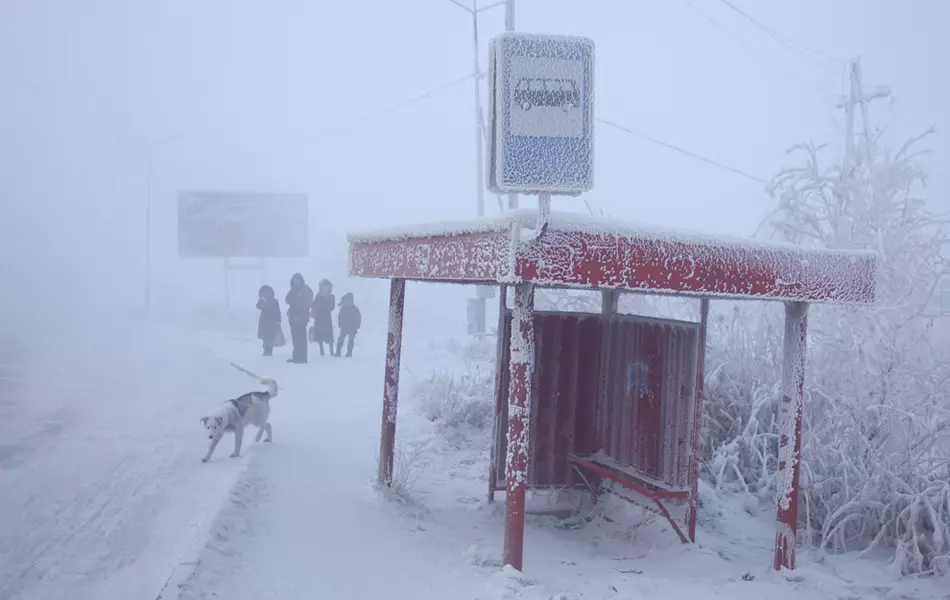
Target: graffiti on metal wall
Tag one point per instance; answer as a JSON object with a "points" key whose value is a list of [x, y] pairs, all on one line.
{"points": [[638, 377]]}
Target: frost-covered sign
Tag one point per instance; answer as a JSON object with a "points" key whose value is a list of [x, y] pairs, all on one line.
{"points": [[541, 112]]}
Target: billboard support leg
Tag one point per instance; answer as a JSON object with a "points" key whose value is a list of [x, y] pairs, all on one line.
{"points": [[227, 283]]}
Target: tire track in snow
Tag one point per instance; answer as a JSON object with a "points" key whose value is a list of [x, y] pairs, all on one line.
{"points": [[97, 499]]}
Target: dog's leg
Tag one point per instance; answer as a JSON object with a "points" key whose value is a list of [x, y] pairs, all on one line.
{"points": [[269, 432], [238, 439], [214, 444], [260, 433]]}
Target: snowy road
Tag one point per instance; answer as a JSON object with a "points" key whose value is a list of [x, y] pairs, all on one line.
{"points": [[306, 523], [101, 487]]}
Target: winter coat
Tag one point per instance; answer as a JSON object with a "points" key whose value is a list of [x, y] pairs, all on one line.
{"points": [[298, 302], [349, 317], [268, 324], [320, 310]]}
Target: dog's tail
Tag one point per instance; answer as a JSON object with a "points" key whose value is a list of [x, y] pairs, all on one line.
{"points": [[271, 386]]}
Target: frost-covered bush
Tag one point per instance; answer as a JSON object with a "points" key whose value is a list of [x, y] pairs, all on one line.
{"points": [[875, 451], [408, 467], [458, 399], [459, 395]]}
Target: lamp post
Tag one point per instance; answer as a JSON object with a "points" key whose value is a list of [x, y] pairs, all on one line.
{"points": [[477, 320], [474, 10], [151, 148]]}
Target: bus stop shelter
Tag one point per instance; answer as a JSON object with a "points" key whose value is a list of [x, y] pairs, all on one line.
{"points": [[588, 398]]}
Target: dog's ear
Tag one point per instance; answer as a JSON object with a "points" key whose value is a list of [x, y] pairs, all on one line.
{"points": [[204, 420], [219, 420]]}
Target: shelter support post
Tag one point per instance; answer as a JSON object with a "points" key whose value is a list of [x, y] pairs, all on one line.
{"points": [[500, 342], [521, 366], [695, 457], [790, 433], [609, 302], [387, 442]]}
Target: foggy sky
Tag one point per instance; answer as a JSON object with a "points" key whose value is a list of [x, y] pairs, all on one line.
{"points": [[85, 83]]}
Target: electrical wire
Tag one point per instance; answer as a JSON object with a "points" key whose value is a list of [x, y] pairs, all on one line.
{"points": [[684, 151], [391, 109], [798, 48], [330, 131], [756, 52]]}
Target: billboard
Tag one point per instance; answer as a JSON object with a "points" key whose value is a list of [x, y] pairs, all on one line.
{"points": [[243, 225]]}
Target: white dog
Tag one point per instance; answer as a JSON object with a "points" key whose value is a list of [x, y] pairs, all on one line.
{"points": [[252, 408]]}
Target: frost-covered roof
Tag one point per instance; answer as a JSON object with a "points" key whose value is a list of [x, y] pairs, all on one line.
{"points": [[581, 223], [586, 252]]}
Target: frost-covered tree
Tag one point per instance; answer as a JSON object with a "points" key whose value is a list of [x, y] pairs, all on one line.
{"points": [[875, 451]]}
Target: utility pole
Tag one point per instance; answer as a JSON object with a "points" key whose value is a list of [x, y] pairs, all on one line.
{"points": [[480, 131], [858, 97], [479, 120], [510, 26], [476, 305], [151, 148]]}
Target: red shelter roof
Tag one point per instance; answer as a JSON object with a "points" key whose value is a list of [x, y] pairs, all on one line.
{"points": [[582, 252]]}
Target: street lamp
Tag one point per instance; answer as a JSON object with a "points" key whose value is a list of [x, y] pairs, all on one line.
{"points": [[476, 306], [151, 148], [474, 10]]}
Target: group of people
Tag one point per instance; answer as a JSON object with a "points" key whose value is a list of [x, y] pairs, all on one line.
{"points": [[302, 306]]}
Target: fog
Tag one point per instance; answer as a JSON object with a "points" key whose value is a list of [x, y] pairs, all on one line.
{"points": [[283, 99], [365, 107]]}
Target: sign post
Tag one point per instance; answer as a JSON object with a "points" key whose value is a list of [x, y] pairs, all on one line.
{"points": [[540, 142]]}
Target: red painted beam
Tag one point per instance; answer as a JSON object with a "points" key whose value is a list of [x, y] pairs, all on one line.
{"points": [[471, 257], [710, 269]]}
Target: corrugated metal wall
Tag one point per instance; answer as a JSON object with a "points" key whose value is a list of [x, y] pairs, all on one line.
{"points": [[645, 414], [623, 384]]}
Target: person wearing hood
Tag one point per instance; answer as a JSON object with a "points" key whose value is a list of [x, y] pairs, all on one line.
{"points": [[349, 319], [298, 302], [321, 310], [268, 324]]}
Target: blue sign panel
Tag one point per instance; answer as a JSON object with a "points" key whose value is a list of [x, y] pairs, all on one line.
{"points": [[542, 113]]}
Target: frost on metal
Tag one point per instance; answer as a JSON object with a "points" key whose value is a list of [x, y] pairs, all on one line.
{"points": [[785, 536], [393, 344], [791, 406], [519, 396], [470, 256], [578, 250], [541, 113]]}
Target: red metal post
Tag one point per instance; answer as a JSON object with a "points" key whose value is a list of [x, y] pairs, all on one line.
{"points": [[695, 443], [790, 434], [387, 442], [500, 342], [519, 417]]}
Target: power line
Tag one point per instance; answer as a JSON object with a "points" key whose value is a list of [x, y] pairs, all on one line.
{"points": [[360, 121], [688, 153], [386, 111], [798, 48], [755, 51]]}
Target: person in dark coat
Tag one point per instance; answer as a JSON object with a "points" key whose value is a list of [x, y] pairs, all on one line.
{"points": [[321, 310], [268, 324], [349, 319], [298, 302]]}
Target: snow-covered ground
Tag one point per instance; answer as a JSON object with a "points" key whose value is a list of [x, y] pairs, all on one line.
{"points": [[305, 521], [101, 487], [103, 496]]}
